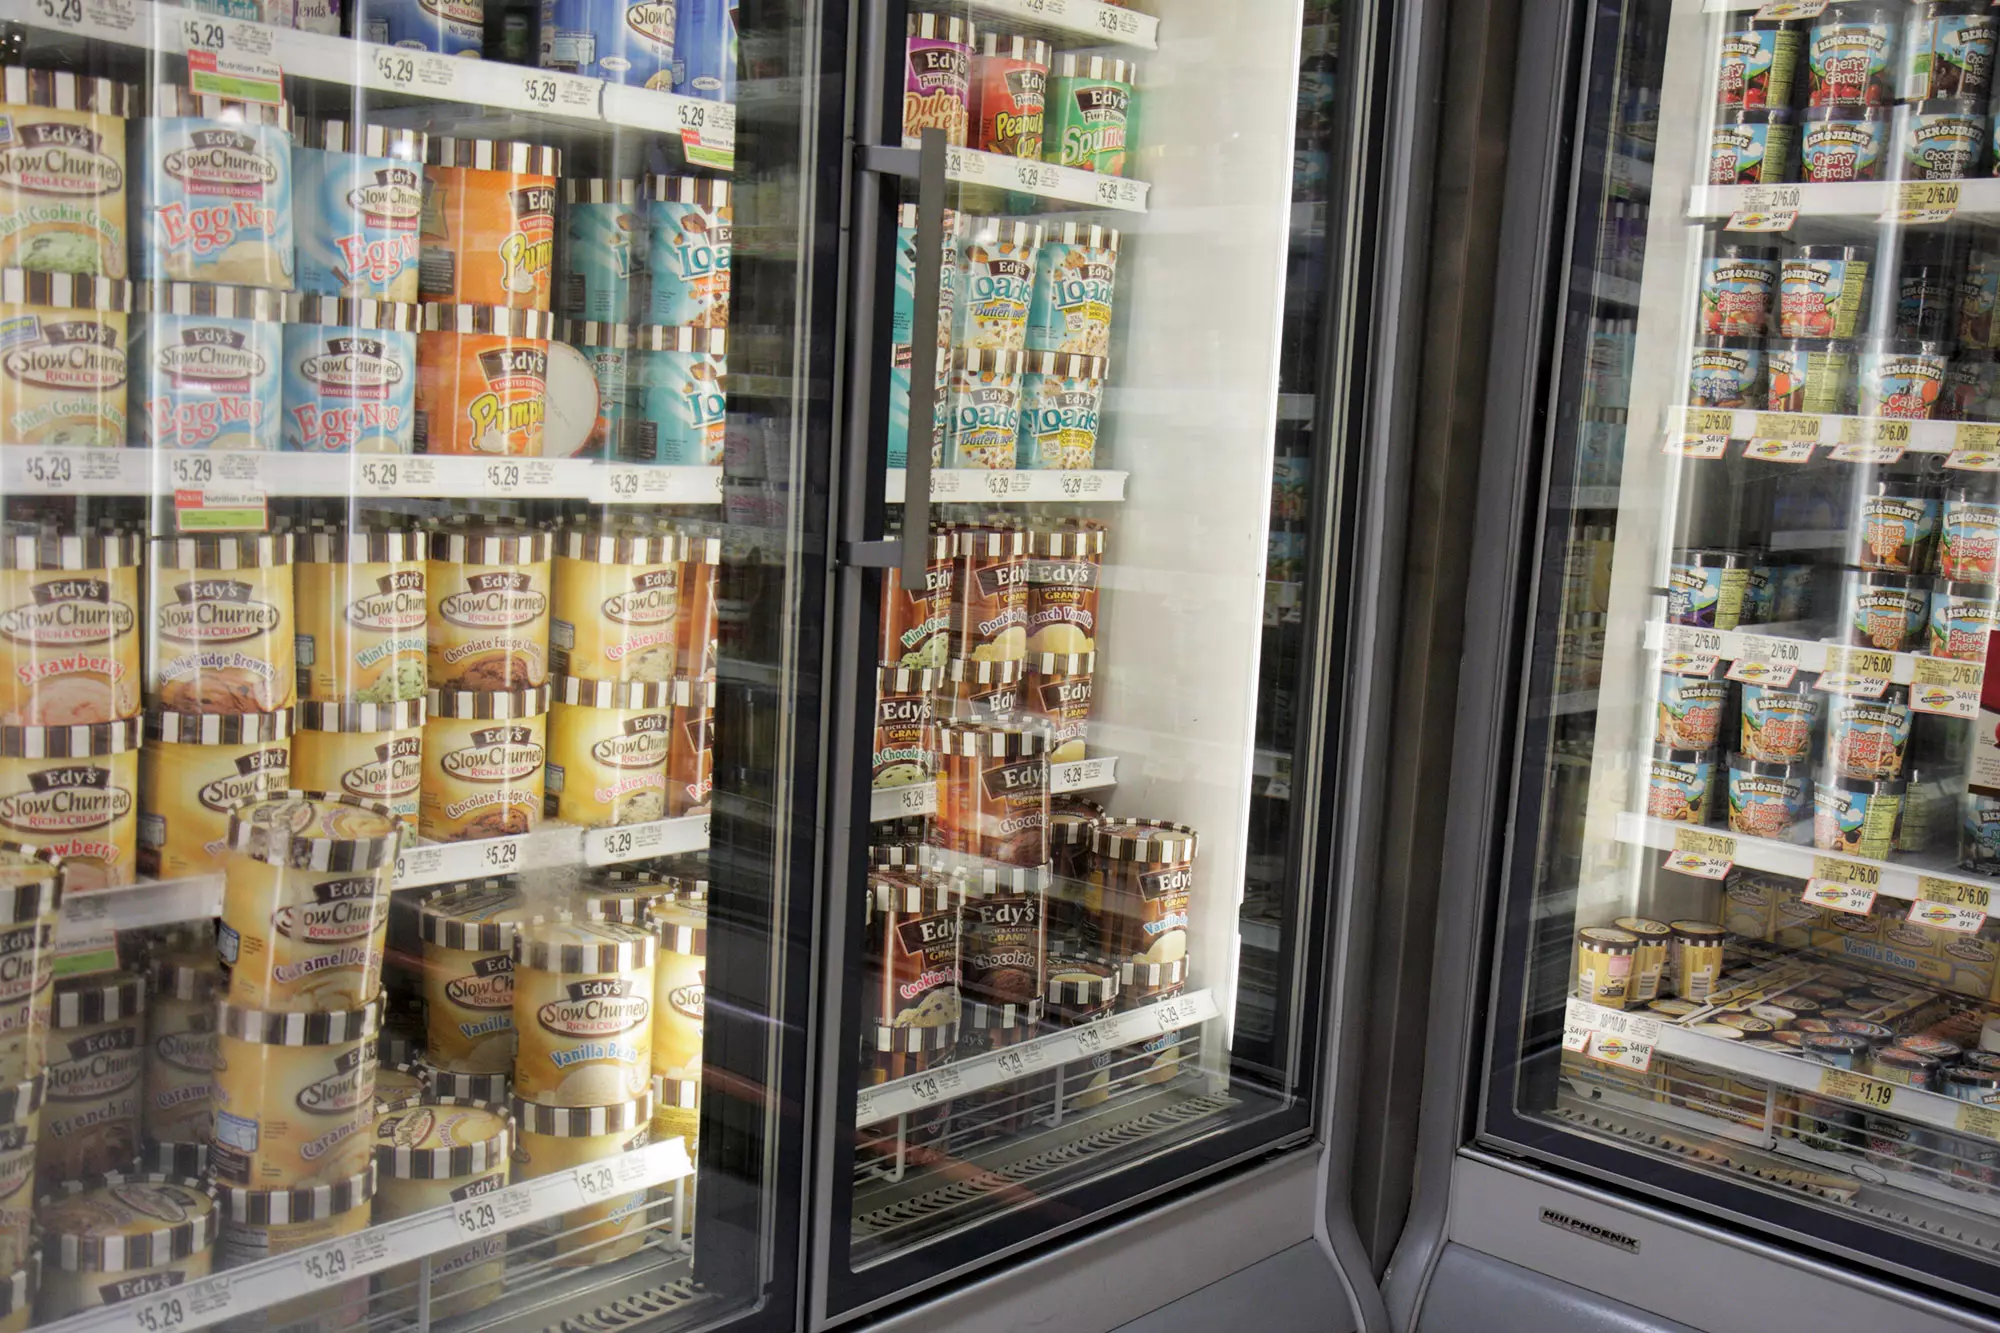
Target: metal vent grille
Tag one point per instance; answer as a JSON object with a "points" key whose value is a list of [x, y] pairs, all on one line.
{"points": [[962, 1193], [628, 1311]]}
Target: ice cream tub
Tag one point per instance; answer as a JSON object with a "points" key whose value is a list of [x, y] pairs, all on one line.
{"points": [[484, 756], [360, 193], [583, 1012], [448, 27], [373, 752], [396, 1083], [1962, 615], [1778, 720], [1857, 816], [120, 1236], [18, 1134], [1760, 62], [1076, 273], [1010, 83], [482, 381], [1902, 377], [1851, 56], [468, 942], [1942, 139], [1948, 51], [680, 989], [1690, 711], [996, 282], [630, 42], [1727, 372], [1823, 291], [223, 634], [30, 897], [608, 743], [487, 590], [69, 629], [1060, 396], [624, 893], [937, 77], [294, 1096], [180, 1052], [1147, 873], [1843, 143], [900, 369], [305, 902], [1969, 536], [1677, 786], [985, 408], [902, 315], [1972, 393], [1092, 110], [62, 172], [691, 754], [207, 364], [690, 233], [259, 1224], [1057, 695], [1897, 527], [1768, 800], [1927, 288], [73, 792], [195, 768], [215, 191], [1705, 588], [488, 233], [560, 1138], [1809, 375], [96, 1061], [63, 367], [1883, 610], [1750, 146], [1867, 738], [1739, 286], [617, 601], [362, 613], [350, 377], [602, 233], [437, 1152], [904, 750], [678, 408], [608, 350]]}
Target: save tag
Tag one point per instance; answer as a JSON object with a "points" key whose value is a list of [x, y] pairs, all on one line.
{"points": [[1698, 446], [1625, 1052], [1762, 208], [1852, 898], [1852, 1087], [1705, 855], [1857, 671], [1920, 202], [1973, 460], [1792, 9], [1764, 660], [1957, 919], [1779, 451], [1687, 651], [1945, 686]]}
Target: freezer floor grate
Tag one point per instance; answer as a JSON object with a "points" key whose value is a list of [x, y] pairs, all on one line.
{"points": [[934, 1204], [625, 1312]]}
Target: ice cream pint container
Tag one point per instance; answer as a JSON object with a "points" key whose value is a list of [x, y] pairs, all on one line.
{"points": [[350, 377], [1948, 51], [488, 235], [1942, 139], [69, 629], [1010, 81], [64, 371], [1091, 111], [223, 635], [1841, 143], [62, 173], [559, 1138], [1076, 271], [294, 1096], [996, 267], [487, 590], [122, 1236], [583, 1012], [690, 234], [180, 1066], [1060, 397], [360, 190], [482, 381], [484, 759], [617, 605], [261, 1224], [678, 410], [215, 191], [985, 408], [1969, 538], [1851, 56], [439, 1152], [360, 597], [96, 1059], [74, 792], [447, 27], [937, 77], [468, 943], [206, 362], [1760, 63]]}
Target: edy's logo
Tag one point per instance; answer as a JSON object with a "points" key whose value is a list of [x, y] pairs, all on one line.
{"points": [[349, 1086], [927, 934], [341, 910], [65, 612], [488, 985], [1015, 781], [353, 366], [513, 401], [209, 611], [498, 754], [70, 799], [222, 162], [599, 1007], [61, 160], [505, 599], [389, 198], [96, 1066], [256, 773], [653, 21], [1173, 882], [652, 600], [75, 355]]}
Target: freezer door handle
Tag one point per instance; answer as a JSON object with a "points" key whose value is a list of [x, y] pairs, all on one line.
{"points": [[923, 354]]}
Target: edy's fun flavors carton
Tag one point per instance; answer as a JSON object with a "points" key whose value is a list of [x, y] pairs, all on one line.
{"points": [[1010, 80], [350, 377], [207, 364], [489, 223], [360, 193], [937, 77], [677, 400], [215, 191], [602, 229], [689, 228], [902, 320], [1091, 108], [62, 173]]}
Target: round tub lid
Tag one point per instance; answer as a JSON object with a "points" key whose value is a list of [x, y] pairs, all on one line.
{"points": [[496, 1089], [101, 997], [611, 548], [582, 1122], [494, 155], [61, 91], [124, 1220], [312, 830], [910, 894], [331, 1028], [992, 881], [212, 299], [704, 191], [1063, 664], [309, 1203], [30, 882], [335, 135], [583, 947], [234, 551], [599, 190], [684, 338], [184, 981], [488, 705], [629, 694], [1076, 984], [441, 1138], [88, 740], [1151, 976], [477, 918], [185, 1160], [681, 927], [984, 1017], [1152, 840], [499, 320], [167, 728], [63, 291], [402, 715], [367, 546], [477, 546], [353, 312], [986, 741], [682, 1093], [50, 551], [887, 1039]]}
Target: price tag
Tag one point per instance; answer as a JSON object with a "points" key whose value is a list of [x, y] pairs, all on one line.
{"points": [[1083, 774], [1764, 208], [1115, 22], [1857, 671], [221, 511], [916, 798], [1626, 1053], [1690, 652], [231, 70], [417, 866], [1117, 192], [1576, 1028], [1852, 1087], [1785, 426], [635, 842], [167, 1312], [1945, 686], [864, 1108], [1976, 438], [1011, 1063], [1705, 855], [1872, 440], [1764, 660], [69, 13], [1779, 451], [1979, 1121], [1792, 9], [937, 1087], [597, 1183], [488, 1213], [1089, 1040], [1956, 892], [1852, 898], [708, 132], [1698, 446], [1973, 460], [1954, 917], [1918, 203]]}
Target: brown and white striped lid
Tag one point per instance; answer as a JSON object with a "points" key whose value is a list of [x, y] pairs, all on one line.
{"points": [[184, 981], [402, 715], [487, 705], [30, 883], [681, 927], [1063, 664], [997, 881], [619, 548], [985, 741], [495, 1087], [84, 741], [171, 100], [185, 1160], [694, 693], [897, 854], [1015, 46], [583, 1122], [1074, 983], [20, 1100], [910, 893], [333, 1027], [365, 546], [1072, 65], [1065, 544], [210, 298], [165, 728], [680, 1093], [63, 291], [62, 91], [354, 312], [1025, 233], [701, 191], [968, 671], [1065, 365], [479, 917], [891, 681], [1080, 233], [505, 321], [583, 948], [121, 1221], [309, 1203], [684, 338], [953, 28], [989, 543], [335, 135], [626, 694], [1071, 821], [885, 1039], [1153, 840], [1150, 976], [262, 550], [316, 830], [983, 1017], [522, 159], [478, 546], [1004, 362], [442, 1138], [700, 550], [51, 551], [97, 997], [594, 333], [600, 190]]}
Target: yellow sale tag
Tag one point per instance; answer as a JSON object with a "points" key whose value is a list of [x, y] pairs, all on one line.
{"points": [[1979, 1121], [1788, 426], [1921, 202], [1956, 892], [1709, 421], [1861, 671], [1854, 899], [1975, 438], [1852, 1087], [1973, 460], [1946, 686], [1779, 451], [1706, 855], [1836, 871], [1792, 9]]}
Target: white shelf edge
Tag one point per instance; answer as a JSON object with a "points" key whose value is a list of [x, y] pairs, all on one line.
{"points": [[874, 1105], [1926, 437], [1079, 18], [1046, 180], [1899, 879], [921, 798], [1731, 644], [238, 1291], [1013, 486]]}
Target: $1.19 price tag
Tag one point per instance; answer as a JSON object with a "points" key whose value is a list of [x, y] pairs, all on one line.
{"points": [[1852, 1087]]}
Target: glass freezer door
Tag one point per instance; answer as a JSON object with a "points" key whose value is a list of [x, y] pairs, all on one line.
{"points": [[1750, 957], [1066, 898], [395, 510]]}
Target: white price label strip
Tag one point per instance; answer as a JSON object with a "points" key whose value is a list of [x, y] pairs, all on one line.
{"points": [[52, 470], [1045, 179], [995, 1067], [917, 798], [624, 483], [253, 1287], [442, 863], [964, 485], [1083, 774], [137, 906], [634, 842]]}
